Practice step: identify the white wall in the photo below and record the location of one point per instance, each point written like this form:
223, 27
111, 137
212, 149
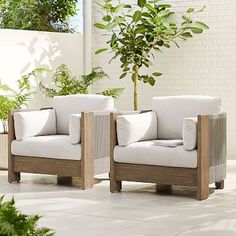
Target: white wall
22, 51
204, 65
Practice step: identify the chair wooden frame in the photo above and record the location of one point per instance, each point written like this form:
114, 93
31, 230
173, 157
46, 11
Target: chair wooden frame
64, 169
211, 152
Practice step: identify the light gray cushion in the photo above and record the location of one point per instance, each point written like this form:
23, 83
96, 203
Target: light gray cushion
52, 146
147, 153
75, 104
169, 143
74, 128
171, 112
190, 133
136, 127
34, 123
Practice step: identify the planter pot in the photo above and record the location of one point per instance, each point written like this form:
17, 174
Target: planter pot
3, 151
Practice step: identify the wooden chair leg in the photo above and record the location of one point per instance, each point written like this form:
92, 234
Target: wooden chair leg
163, 188
87, 182
115, 186
203, 192
220, 185
13, 176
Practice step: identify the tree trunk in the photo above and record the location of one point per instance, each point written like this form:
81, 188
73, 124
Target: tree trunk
135, 80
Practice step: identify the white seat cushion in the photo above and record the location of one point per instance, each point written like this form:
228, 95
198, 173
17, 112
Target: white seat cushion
34, 123
148, 153
52, 146
190, 133
74, 128
136, 127
171, 112
75, 104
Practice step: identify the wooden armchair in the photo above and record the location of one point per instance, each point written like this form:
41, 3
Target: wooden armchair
42, 142
143, 161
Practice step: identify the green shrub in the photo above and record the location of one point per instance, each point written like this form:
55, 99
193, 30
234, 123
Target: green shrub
65, 83
41, 15
14, 223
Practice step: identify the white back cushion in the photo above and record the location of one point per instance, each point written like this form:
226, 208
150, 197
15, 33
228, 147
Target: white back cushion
136, 127
34, 123
190, 133
74, 128
171, 112
75, 104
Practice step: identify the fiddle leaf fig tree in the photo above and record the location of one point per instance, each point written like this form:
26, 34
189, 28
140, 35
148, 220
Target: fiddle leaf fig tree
136, 32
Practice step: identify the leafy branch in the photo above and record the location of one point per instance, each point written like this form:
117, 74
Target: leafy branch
136, 32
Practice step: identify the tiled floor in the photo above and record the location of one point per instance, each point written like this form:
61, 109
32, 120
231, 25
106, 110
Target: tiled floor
137, 210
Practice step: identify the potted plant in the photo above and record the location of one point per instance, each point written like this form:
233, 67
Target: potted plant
14, 99
139, 31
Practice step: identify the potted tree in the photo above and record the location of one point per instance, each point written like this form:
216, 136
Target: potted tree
139, 31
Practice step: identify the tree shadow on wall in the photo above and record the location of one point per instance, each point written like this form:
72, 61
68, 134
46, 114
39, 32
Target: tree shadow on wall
44, 51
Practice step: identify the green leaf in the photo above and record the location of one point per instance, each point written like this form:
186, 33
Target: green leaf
113, 92
119, 8
152, 81
99, 26
201, 25
190, 10
164, 6
101, 50
187, 19
146, 14
127, 6
107, 18
141, 3
196, 30
111, 26
187, 35
160, 43
123, 75
151, 8
156, 74
166, 45
137, 16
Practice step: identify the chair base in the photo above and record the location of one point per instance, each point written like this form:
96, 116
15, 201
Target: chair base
115, 186
220, 185
39, 165
13, 176
163, 188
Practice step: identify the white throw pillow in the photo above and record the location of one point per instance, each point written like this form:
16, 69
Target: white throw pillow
136, 127
190, 133
34, 123
74, 128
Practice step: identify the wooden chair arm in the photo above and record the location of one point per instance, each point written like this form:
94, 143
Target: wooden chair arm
87, 147
212, 138
211, 148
